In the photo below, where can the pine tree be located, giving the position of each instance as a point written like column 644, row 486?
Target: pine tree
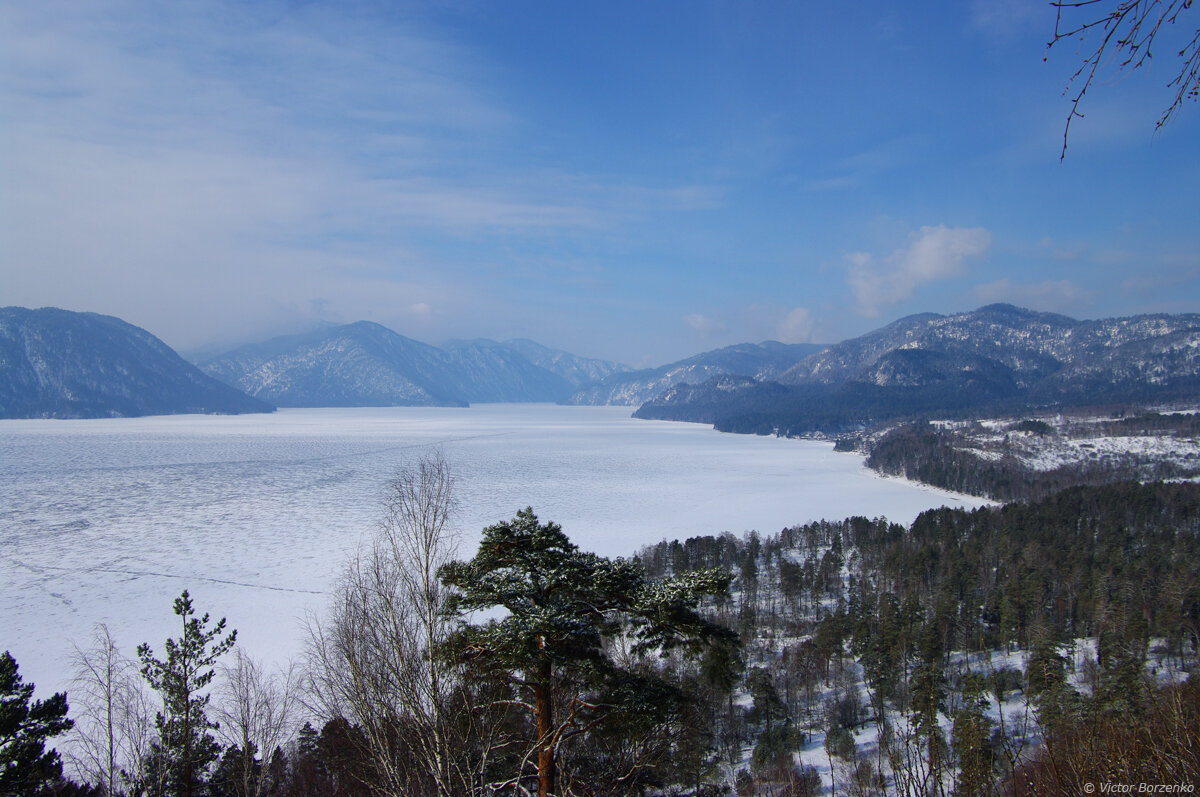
column 25, row 765
column 766, row 708
column 1046, row 676
column 929, row 697
column 971, row 740
column 563, row 606
column 186, row 748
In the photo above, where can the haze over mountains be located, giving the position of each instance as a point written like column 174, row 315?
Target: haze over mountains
column 57, row 363
column 366, row 364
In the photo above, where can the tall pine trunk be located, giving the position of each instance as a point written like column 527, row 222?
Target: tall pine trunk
column 544, row 707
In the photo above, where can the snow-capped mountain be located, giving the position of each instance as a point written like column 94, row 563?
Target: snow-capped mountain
column 1028, row 345
column 999, row 358
column 519, row 370
column 573, row 368
column 366, row 364
column 757, row 360
column 62, row 364
column 360, row 364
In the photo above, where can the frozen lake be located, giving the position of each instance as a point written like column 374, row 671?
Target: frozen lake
column 109, row 520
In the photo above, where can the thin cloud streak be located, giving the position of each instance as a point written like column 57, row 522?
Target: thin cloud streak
column 159, row 162
column 933, row 254
column 585, row 175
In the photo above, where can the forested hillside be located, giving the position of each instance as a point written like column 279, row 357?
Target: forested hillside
column 968, row 652
column 756, row 361
column 1023, row 649
column 997, row 359
column 1019, row 459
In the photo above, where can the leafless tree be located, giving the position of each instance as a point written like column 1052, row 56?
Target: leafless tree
column 1125, row 31
column 378, row 658
column 256, row 711
column 113, row 716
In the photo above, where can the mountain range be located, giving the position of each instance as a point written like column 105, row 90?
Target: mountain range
column 759, row 361
column 56, row 363
column 996, row 358
column 59, row 363
column 366, row 364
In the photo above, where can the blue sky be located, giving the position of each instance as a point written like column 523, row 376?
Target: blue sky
column 635, row 181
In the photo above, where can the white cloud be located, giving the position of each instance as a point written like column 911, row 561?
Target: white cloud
column 204, row 166
column 704, row 324
column 1054, row 295
column 797, row 327
column 933, row 253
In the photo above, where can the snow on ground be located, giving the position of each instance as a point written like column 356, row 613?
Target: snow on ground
column 1014, row 716
column 1073, row 440
column 1055, row 451
column 108, row 520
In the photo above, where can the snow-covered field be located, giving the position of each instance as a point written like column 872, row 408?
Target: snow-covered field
column 1059, row 451
column 1076, row 441
column 108, row 520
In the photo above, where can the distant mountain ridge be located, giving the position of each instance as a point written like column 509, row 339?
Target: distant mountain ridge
column 998, row 357
column 57, row 363
column 367, row 364
column 62, row 364
column 359, row 364
column 576, row 370
column 759, row 361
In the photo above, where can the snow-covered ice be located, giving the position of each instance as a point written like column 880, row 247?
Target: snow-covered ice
column 109, row 520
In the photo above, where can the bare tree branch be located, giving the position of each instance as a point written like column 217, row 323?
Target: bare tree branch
column 1128, row 33
column 113, row 716
column 256, row 710
column 379, row 658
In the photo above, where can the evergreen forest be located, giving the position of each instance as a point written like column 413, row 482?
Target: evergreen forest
column 1029, row 648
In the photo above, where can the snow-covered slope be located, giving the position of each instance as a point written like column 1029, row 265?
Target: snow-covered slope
column 1035, row 350
column 757, row 360
column 366, row 364
column 61, row 364
column 360, row 364
column 998, row 358
column 571, row 367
